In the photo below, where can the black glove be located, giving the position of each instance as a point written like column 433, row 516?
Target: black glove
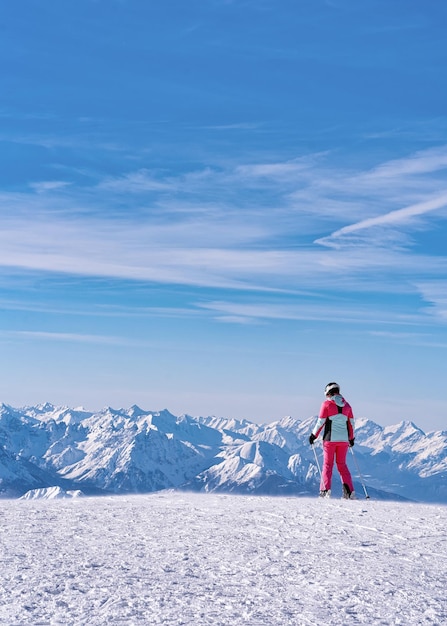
column 312, row 439
column 351, row 443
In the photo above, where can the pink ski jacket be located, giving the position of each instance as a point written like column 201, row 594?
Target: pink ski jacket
column 337, row 419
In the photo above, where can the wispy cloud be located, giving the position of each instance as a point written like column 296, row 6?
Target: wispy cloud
column 237, row 127
column 424, row 130
column 282, row 171
column 245, row 226
column 393, row 218
column 50, row 185
column 181, row 254
column 136, row 182
column 422, row 162
column 324, row 310
column 66, row 337
column 421, row 340
column 434, row 292
column 99, row 310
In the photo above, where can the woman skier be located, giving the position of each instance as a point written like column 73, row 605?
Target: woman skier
column 337, row 419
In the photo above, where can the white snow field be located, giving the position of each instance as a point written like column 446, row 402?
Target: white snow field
column 180, row 558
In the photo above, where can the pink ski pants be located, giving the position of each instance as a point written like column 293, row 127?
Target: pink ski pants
column 335, row 450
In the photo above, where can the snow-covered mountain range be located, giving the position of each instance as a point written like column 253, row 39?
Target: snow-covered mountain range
column 138, row 451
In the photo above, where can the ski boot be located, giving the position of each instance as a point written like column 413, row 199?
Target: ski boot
column 347, row 493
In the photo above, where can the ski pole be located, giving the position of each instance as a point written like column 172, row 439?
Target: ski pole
column 318, row 465
column 359, row 473
column 317, row 461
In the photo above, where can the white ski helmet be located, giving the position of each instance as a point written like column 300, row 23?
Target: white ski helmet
column 332, row 389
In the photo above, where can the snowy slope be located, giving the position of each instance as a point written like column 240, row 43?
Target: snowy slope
column 221, row 560
column 138, row 451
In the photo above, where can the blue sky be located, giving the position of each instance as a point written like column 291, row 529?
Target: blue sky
column 219, row 206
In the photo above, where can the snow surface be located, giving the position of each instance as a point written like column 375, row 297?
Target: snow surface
column 206, row 559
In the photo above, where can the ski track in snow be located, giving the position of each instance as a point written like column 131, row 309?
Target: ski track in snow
column 199, row 559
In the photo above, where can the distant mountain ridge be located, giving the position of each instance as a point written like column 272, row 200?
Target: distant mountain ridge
column 136, row 451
